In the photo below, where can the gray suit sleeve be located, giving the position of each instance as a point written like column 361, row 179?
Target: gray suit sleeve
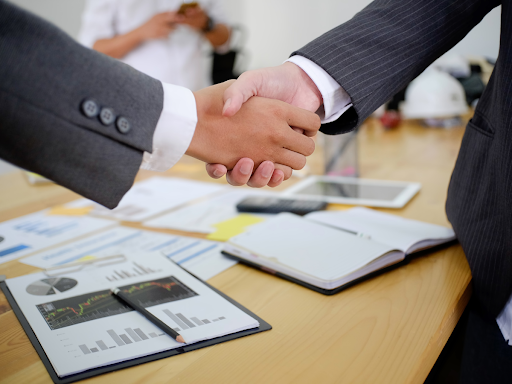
column 388, row 44
column 44, row 78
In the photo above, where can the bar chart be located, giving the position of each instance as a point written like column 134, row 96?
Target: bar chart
column 131, row 335
column 184, row 322
column 45, row 228
column 136, row 271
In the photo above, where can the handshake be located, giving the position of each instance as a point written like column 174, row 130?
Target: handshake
column 258, row 128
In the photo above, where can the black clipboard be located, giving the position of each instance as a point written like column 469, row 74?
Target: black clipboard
column 264, row 326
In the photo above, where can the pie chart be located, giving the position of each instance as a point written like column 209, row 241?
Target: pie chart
column 51, row 286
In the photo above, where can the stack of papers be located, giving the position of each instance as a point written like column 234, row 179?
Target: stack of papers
column 152, row 197
column 202, row 217
column 38, row 231
column 201, row 257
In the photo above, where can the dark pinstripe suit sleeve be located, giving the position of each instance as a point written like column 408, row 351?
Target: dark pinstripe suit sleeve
column 388, row 44
column 44, row 77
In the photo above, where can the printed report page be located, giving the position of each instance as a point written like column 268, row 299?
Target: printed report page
column 81, row 325
column 31, row 233
column 202, row 258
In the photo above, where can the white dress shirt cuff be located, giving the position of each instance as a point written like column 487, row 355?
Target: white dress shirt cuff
column 504, row 321
column 336, row 99
column 174, row 130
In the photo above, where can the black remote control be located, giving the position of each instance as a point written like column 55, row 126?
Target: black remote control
column 278, row 205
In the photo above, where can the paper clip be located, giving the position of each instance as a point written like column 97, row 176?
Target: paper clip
column 75, row 267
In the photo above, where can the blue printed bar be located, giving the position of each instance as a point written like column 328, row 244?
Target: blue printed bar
column 17, row 248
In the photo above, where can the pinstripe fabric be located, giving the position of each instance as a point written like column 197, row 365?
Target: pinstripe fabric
column 379, row 52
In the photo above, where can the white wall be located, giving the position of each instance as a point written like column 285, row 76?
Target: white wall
column 484, row 39
column 64, row 13
column 277, row 28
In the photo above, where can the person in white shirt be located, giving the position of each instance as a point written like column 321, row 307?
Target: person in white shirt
column 155, row 38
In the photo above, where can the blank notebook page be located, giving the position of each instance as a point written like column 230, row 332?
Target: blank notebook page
column 384, row 228
column 311, row 248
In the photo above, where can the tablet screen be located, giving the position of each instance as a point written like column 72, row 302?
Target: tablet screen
column 352, row 190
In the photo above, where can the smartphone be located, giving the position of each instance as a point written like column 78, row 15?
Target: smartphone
column 278, row 205
column 185, row 6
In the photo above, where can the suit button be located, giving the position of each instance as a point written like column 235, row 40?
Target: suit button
column 107, row 116
column 90, row 108
column 123, row 125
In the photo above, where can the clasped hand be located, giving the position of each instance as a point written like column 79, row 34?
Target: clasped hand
column 260, row 133
column 286, row 82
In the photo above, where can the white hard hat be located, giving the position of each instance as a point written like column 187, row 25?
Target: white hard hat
column 455, row 65
column 434, row 94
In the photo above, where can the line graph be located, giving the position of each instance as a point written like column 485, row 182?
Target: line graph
column 96, row 305
column 79, row 309
column 160, row 291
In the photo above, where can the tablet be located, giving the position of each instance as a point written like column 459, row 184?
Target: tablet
column 354, row 191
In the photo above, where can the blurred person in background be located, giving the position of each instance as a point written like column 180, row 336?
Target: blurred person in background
column 162, row 38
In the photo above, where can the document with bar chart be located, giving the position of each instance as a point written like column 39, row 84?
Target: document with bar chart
column 203, row 258
column 82, row 326
column 37, row 231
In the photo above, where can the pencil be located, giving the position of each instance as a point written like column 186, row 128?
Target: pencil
column 144, row 312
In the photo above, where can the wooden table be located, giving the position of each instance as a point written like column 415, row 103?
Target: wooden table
column 389, row 329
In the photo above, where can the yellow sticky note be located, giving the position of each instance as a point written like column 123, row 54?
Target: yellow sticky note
column 87, row 258
column 36, row 175
column 64, row 211
column 339, row 207
column 232, row 227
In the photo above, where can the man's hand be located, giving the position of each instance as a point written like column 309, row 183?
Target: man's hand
column 159, row 26
column 194, row 17
column 259, row 131
column 288, row 83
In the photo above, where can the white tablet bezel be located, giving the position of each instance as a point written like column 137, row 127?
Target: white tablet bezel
column 409, row 190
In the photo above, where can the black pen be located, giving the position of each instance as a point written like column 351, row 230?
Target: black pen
column 144, row 312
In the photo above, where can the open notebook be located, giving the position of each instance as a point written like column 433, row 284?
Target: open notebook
column 328, row 251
